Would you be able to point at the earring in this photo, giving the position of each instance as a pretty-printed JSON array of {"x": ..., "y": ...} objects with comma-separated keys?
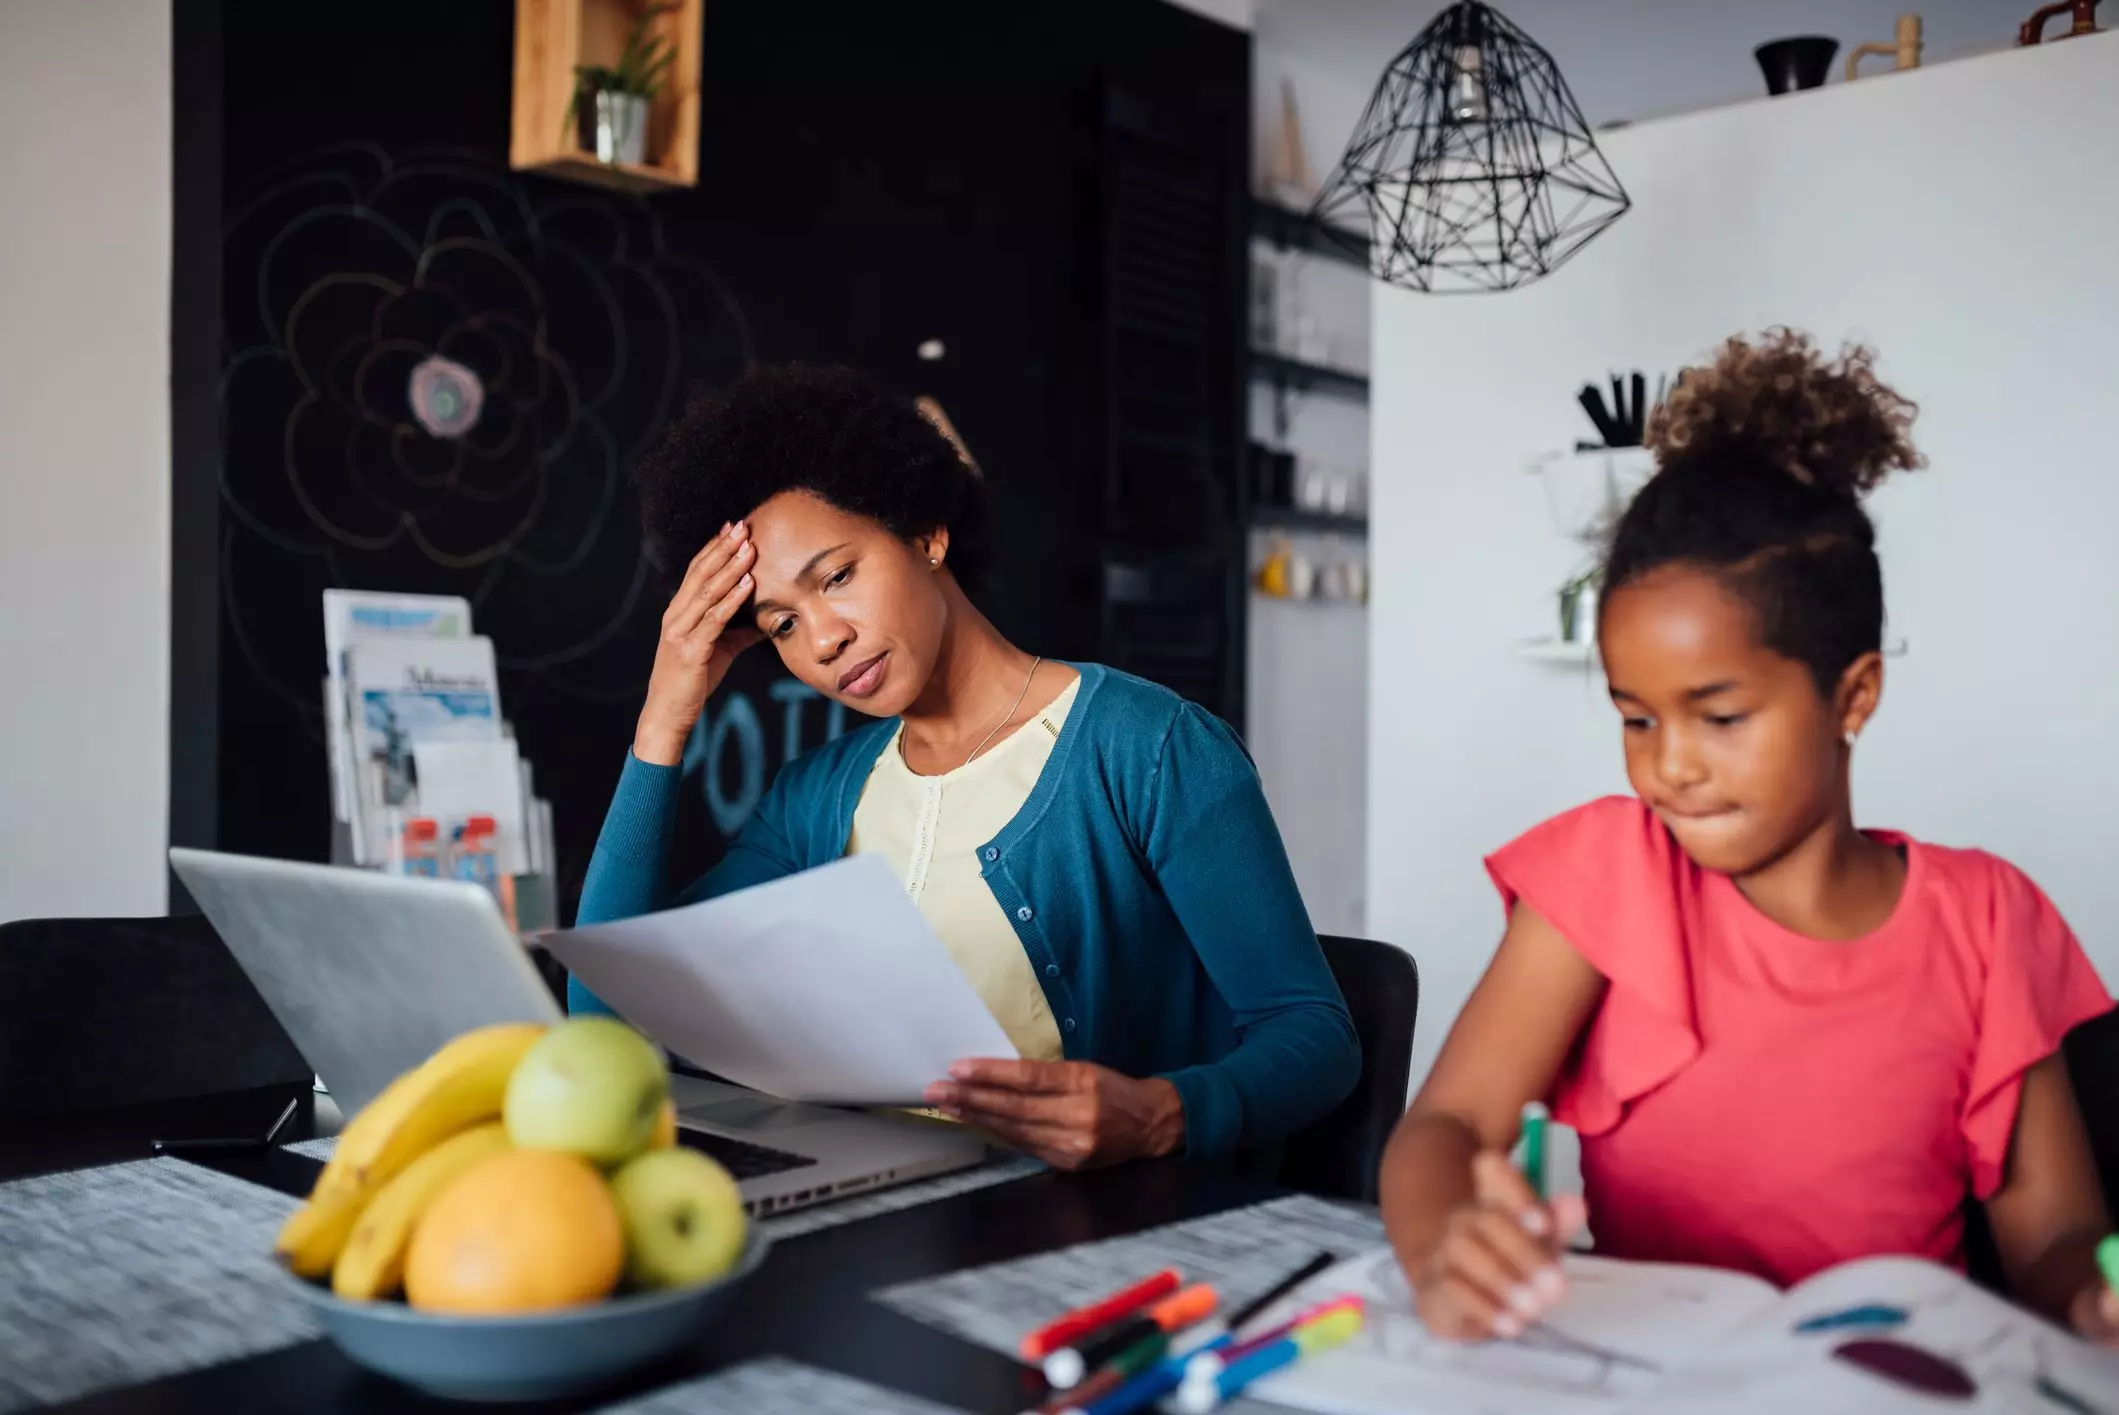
[
  {"x": 1850, "y": 741},
  {"x": 932, "y": 561}
]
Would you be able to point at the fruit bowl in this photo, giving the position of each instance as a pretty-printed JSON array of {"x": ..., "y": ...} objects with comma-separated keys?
[{"x": 532, "y": 1356}]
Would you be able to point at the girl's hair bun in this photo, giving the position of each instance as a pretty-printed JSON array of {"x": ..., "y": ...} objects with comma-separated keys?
[{"x": 1776, "y": 401}]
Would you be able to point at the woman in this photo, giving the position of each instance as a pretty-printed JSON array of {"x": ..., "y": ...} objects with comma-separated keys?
[{"x": 1094, "y": 851}]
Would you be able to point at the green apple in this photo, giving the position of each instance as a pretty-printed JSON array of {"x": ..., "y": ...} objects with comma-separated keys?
[
  {"x": 591, "y": 1086},
  {"x": 683, "y": 1218}
]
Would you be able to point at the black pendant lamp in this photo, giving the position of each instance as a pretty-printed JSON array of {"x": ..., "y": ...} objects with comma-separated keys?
[{"x": 1472, "y": 167}]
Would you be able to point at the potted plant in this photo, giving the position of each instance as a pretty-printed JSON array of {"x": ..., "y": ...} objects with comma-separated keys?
[
  {"x": 610, "y": 106},
  {"x": 1578, "y": 607}
]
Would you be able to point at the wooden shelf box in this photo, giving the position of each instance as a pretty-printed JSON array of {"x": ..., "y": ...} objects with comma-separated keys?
[{"x": 551, "y": 37}]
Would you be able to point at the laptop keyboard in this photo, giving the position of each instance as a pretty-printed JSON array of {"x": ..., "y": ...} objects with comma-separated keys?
[{"x": 745, "y": 1161}]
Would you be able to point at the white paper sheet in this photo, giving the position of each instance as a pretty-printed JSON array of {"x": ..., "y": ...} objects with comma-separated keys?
[{"x": 826, "y": 986}]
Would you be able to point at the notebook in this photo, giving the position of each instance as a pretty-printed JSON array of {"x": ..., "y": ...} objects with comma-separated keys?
[{"x": 1877, "y": 1336}]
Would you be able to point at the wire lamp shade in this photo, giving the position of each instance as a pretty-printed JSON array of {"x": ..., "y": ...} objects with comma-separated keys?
[{"x": 1472, "y": 167}]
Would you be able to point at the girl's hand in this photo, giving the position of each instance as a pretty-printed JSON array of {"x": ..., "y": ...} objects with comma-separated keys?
[
  {"x": 1070, "y": 1114},
  {"x": 2095, "y": 1314},
  {"x": 1497, "y": 1268},
  {"x": 700, "y": 639}
]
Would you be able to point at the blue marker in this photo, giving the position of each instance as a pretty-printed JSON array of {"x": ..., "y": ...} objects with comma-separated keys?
[
  {"x": 1139, "y": 1393},
  {"x": 1197, "y": 1397}
]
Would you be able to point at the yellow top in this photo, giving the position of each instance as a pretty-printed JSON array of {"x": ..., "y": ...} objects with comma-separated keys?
[{"x": 930, "y": 829}]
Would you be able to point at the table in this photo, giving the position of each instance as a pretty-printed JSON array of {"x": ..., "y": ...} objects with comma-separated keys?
[{"x": 810, "y": 1302}]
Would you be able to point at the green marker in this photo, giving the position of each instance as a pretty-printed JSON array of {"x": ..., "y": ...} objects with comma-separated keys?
[
  {"x": 2108, "y": 1260},
  {"x": 1534, "y": 1118}
]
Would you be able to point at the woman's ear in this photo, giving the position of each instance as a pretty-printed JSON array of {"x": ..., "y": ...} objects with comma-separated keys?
[
  {"x": 1861, "y": 688},
  {"x": 934, "y": 547}
]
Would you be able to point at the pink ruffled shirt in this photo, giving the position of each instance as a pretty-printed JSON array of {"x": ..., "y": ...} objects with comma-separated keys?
[{"x": 1753, "y": 1099}]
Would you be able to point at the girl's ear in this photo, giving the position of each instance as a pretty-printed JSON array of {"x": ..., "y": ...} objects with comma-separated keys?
[
  {"x": 1861, "y": 688},
  {"x": 933, "y": 547}
]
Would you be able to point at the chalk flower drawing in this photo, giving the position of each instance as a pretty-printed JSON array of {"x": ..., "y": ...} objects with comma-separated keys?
[{"x": 438, "y": 375}]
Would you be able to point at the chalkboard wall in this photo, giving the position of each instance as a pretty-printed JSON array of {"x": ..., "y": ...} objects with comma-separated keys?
[{"x": 872, "y": 176}]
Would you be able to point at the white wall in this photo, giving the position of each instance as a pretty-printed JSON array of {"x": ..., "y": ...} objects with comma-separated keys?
[
  {"x": 84, "y": 456},
  {"x": 1624, "y": 60},
  {"x": 1960, "y": 218},
  {"x": 1307, "y": 692}
]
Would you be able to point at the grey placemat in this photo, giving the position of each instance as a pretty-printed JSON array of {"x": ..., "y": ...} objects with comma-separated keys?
[
  {"x": 775, "y": 1386},
  {"x": 1242, "y": 1253},
  {"x": 130, "y": 1272},
  {"x": 801, "y": 1221}
]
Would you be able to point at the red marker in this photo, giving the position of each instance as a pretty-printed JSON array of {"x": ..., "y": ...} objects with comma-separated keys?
[{"x": 1086, "y": 1320}]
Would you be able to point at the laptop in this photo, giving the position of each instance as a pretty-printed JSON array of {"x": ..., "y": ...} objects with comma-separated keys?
[{"x": 371, "y": 973}]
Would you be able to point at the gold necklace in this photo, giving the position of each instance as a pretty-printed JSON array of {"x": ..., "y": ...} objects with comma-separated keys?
[{"x": 1036, "y": 664}]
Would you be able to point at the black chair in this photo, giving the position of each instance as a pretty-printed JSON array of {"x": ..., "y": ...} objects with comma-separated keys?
[
  {"x": 2091, "y": 1053},
  {"x": 1338, "y": 1157},
  {"x": 98, "y": 1013}
]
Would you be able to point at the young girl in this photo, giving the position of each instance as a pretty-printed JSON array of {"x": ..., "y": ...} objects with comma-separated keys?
[{"x": 1787, "y": 1043}]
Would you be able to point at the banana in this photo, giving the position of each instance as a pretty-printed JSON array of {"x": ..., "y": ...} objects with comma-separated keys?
[
  {"x": 379, "y": 1115},
  {"x": 459, "y": 1086},
  {"x": 665, "y": 1127},
  {"x": 372, "y": 1264},
  {"x": 315, "y": 1233}
]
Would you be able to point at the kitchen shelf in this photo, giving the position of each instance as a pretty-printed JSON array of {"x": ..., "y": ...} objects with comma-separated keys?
[
  {"x": 1295, "y": 518},
  {"x": 1315, "y": 601},
  {"x": 1557, "y": 651},
  {"x": 1303, "y": 377},
  {"x": 1299, "y": 231}
]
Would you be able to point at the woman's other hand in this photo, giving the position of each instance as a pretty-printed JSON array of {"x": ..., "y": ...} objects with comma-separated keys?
[{"x": 700, "y": 639}]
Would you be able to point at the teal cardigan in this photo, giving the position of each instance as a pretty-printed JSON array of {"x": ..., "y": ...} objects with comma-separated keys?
[{"x": 1144, "y": 876}]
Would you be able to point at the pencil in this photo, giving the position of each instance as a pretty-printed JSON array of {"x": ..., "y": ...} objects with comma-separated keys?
[{"x": 1249, "y": 1312}]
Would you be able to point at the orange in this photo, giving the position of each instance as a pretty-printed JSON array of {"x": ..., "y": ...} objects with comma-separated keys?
[
  {"x": 665, "y": 1127},
  {"x": 523, "y": 1231}
]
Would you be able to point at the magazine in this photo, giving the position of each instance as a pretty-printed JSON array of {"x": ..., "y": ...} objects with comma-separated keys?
[
  {"x": 402, "y": 692},
  {"x": 357, "y": 616}
]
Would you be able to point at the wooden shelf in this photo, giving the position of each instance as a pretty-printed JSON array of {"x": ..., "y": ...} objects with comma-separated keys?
[
  {"x": 617, "y": 176},
  {"x": 1295, "y": 518},
  {"x": 1299, "y": 231},
  {"x": 1308, "y": 378},
  {"x": 551, "y": 38}
]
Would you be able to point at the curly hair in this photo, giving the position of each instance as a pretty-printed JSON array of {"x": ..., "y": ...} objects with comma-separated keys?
[
  {"x": 1762, "y": 459},
  {"x": 826, "y": 430}
]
